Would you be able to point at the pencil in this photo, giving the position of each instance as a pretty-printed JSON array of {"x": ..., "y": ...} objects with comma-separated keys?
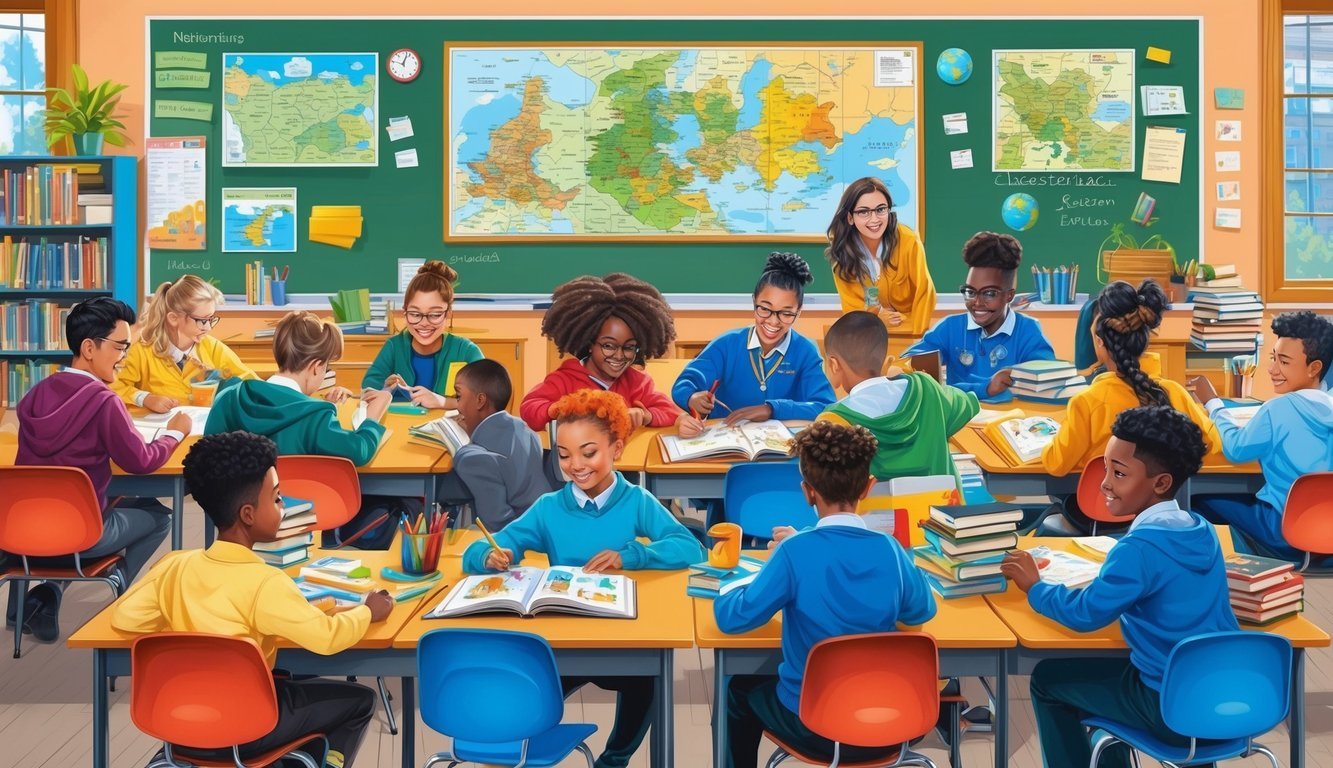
[
  {"x": 724, "y": 405},
  {"x": 363, "y": 531},
  {"x": 489, "y": 538}
]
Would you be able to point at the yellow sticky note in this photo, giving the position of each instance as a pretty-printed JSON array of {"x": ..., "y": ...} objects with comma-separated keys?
[
  {"x": 336, "y": 225},
  {"x": 335, "y": 210},
  {"x": 339, "y": 240},
  {"x": 454, "y": 368},
  {"x": 1159, "y": 55}
]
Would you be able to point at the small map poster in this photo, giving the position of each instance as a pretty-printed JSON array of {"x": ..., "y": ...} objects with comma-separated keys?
[{"x": 259, "y": 220}]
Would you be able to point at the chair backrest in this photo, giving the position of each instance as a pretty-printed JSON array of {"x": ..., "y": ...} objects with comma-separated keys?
[
  {"x": 872, "y": 690},
  {"x": 1091, "y": 500},
  {"x": 328, "y": 481},
  {"x": 1307, "y": 520},
  {"x": 199, "y": 690},
  {"x": 488, "y": 685},
  {"x": 48, "y": 511},
  {"x": 1227, "y": 685},
  {"x": 762, "y": 495}
]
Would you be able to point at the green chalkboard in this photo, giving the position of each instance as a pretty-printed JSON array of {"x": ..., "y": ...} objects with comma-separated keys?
[{"x": 402, "y": 207}]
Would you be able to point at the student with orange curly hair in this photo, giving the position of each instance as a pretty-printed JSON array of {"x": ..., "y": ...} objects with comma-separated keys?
[{"x": 596, "y": 522}]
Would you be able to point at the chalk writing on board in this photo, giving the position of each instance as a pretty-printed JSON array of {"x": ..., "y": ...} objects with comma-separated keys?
[
  {"x": 179, "y": 265},
  {"x": 1052, "y": 180},
  {"x": 481, "y": 258}
]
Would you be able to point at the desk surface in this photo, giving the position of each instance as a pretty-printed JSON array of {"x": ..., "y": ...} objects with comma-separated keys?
[{"x": 1037, "y": 631}]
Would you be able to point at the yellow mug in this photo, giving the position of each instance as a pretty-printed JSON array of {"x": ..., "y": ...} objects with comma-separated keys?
[{"x": 202, "y": 392}]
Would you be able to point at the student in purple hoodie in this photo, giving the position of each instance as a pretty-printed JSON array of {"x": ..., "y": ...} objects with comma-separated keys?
[{"x": 72, "y": 418}]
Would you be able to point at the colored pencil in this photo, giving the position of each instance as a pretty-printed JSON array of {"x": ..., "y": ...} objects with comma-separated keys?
[
  {"x": 363, "y": 531},
  {"x": 489, "y": 538}
]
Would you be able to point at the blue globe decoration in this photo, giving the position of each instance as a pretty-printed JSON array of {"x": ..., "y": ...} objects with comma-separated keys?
[
  {"x": 1019, "y": 211},
  {"x": 954, "y": 66}
]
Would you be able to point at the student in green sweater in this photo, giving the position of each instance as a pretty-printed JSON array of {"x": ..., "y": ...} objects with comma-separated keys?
[
  {"x": 282, "y": 408},
  {"x": 420, "y": 363}
]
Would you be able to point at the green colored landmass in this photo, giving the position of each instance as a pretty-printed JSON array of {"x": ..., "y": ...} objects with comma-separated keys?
[
  {"x": 1058, "y": 116},
  {"x": 306, "y": 121}
]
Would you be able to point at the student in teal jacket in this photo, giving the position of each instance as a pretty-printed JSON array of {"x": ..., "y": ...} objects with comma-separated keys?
[
  {"x": 419, "y": 364},
  {"x": 282, "y": 408},
  {"x": 596, "y": 522}
]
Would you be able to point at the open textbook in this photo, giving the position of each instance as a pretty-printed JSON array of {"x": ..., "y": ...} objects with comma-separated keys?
[
  {"x": 747, "y": 440},
  {"x": 152, "y": 425},
  {"x": 529, "y": 591},
  {"x": 444, "y": 432}
]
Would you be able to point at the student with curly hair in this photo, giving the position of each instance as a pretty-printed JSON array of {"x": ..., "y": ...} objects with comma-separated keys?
[
  {"x": 595, "y": 521},
  {"x": 1164, "y": 580},
  {"x": 609, "y": 326},
  {"x": 1290, "y": 436},
  {"x": 878, "y": 263},
  {"x": 838, "y": 578},
  {"x": 979, "y": 346},
  {"x": 766, "y": 371}
]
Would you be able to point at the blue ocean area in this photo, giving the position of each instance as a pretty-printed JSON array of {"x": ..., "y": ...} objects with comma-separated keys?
[
  {"x": 752, "y": 82},
  {"x": 354, "y": 67},
  {"x": 687, "y": 137},
  {"x": 279, "y": 231},
  {"x": 879, "y": 138},
  {"x": 685, "y": 65},
  {"x": 507, "y": 72},
  {"x": 1112, "y": 112},
  {"x": 477, "y": 123}
]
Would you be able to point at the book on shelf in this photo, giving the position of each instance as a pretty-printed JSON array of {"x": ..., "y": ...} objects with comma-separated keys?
[
  {"x": 19, "y": 376},
  {"x": 1251, "y": 573},
  {"x": 45, "y": 263},
  {"x": 42, "y": 194},
  {"x": 747, "y": 440},
  {"x": 708, "y": 582},
  {"x": 152, "y": 425},
  {"x": 932, "y": 560},
  {"x": 445, "y": 432},
  {"x": 1020, "y": 438},
  {"x": 529, "y": 591},
  {"x": 1064, "y": 568},
  {"x": 950, "y": 589},
  {"x": 34, "y": 326}
]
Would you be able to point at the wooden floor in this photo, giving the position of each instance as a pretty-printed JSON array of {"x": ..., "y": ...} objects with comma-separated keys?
[{"x": 45, "y": 714}]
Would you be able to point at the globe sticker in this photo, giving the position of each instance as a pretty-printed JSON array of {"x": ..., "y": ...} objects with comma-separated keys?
[
  {"x": 954, "y": 66},
  {"x": 1019, "y": 211}
]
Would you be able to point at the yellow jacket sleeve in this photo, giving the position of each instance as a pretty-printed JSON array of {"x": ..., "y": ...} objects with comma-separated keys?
[
  {"x": 1067, "y": 451},
  {"x": 912, "y": 260},
  {"x": 222, "y": 358},
  {"x": 1182, "y": 401},
  {"x": 852, "y": 295},
  {"x": 281, "y": 611},
  {"x": 139, "y": 611},
  {"x": 133, "y": 377}
]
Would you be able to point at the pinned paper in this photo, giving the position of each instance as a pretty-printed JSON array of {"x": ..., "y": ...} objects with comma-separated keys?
[
  {"x": 1163, "y": 153},
  {"x": 955, "y": 123},
  {"x": 1226, "y": 162},
  {"x": 399, "y": 128},
  {"x": 1229, "y": 98},
  {"x": 1163, "y": 100},
  {"x": 405, "y": 158},
  {"x": 960, "y": 158},
  {"x": 179, "y": 60},
  {"x": 1228, "y": 191},
  {"x": 1227, "y": 218},
  {"x": 181, "y": 78},
  {"x": 183, "y": 110},
  {"x": 1228, "y": 130},
  {"x": 1159, "y": 55},
  {"x": 894, "y": 67},
  {"x": 407, "y": 269}
]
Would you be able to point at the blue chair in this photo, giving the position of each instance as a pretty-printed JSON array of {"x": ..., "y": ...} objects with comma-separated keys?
[
  {"x": 1221, "y": 690},
  {"x": 760, "y": 496},
  {"x": 497, "y": 694}
]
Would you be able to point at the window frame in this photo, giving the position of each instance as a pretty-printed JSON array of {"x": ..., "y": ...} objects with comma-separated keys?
[{"x": 8, "y": 7}]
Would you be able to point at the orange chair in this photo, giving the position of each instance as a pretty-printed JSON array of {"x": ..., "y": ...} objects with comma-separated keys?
[
  {"x": 49, "y": 512},
  {"x": 1307, "y": 519},
  {"x": 879, "y": 689},
  {"x": 1091, "y": 500},
  {"x": 207, "y": 692}
]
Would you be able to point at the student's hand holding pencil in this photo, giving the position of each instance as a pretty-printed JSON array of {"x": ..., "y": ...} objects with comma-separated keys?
[
  {"x": 688, "y": 426},
  {"x": 337, "y": 395},
  {"x": 499, "y": 559}
]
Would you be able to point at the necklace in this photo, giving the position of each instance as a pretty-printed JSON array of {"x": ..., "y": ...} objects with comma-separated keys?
[{"x": 760, "y": 374}]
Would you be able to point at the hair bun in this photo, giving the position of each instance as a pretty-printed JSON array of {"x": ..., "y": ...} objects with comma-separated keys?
[
  {"x": 790, "y": 263},
  {"x": 437, "y": 267}
]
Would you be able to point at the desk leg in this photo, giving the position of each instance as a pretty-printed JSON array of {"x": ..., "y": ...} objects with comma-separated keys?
[
  {"x": 408, "y": 721},
  {"x": 1001, "y": 725},
  {"x": 1296, "y": 722},
  {"x": 178, "y": 513},
  {"x": 720, "y": 684},
  {"x": 101, "y": 705},
  {"x": 664, "y": 728}
]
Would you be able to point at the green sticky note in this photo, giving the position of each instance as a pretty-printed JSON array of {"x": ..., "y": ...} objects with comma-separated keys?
[
  {"x": 185, "y": 59},
  {"x": 183, "y": 110},
  {"x": 1229, "y": 98},
  {"x": 181, "y": 78},
  {"x": 359, "y": 573}
]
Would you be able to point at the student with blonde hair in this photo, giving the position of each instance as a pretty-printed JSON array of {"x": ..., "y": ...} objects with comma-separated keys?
[{"x": 175, "y": 348}]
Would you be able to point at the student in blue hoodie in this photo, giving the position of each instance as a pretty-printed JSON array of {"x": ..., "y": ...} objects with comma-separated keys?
[
  {"x": 766, "y": 371},
  {"x": 596, "y": 522},
  {"x": 283, "y": 409},
  {"x": 979, "y": 346},
  {"x": 1290, "y": 436},
  {"x": 1164, "y": 581},
  {"x": 838, "y": 578}
]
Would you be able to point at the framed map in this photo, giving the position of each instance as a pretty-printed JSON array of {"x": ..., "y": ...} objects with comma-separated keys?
[
  {"x": 599, "y": 141},
  {"x": 1063, "y": 110},
  {"x": 299, "y": 109}
]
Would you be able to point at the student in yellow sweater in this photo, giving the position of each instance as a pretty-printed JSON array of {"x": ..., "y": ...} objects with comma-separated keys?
[
  {"x": 175, "y": 348},
  {"x": 879, "y": 264},
  {"x": 227, "y": 590},
  {"x": 1123, "y": 319}
]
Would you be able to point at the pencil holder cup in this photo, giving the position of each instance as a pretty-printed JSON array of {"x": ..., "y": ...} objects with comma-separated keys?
[
  {"x": 421, "y": 552},
  {"x": 202, "y": 392},
  {"x": 278, "y": 288},
  {"x": 1239, "y": 385}
]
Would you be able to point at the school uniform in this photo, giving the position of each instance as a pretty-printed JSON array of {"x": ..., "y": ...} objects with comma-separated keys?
[
  {"x": 971, "y": 356},
  {"x": 790, "y": 378},
  {"x": 430, "y": 371},
  {"x": 634, "y": 387},
  {"x": 907, "y": 289},
  {"x": 570, "y": 528},
  {"x": 297, "y": 423},
  {"x": 1164, "y": 581},
  {"x": 838, "y": 578},
  {"x": 227, "y": 590},
  {"x": 1291, "y": 435},
  {"x": 144, "y": 373},
  {"x": 500, "y": 470}
]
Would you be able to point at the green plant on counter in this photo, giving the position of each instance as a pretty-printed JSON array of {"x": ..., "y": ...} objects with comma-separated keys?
[{"x": 87, "y": 112}]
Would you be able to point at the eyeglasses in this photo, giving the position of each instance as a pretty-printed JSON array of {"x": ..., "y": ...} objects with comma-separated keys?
[
  {"x": 205, "y": 323},
  {"x": 865, "y": 213},
  {"x": 988, "y": 295},
  {"x": 121, "y": 346},
  {"x": 785, "y": 316},
  {"x": 415, "y": 317},
  {"x": 610, "y": 349}
]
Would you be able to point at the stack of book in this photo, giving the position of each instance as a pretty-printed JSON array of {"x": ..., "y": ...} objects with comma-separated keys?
[
  {"x": 95, "y": 207},
  {"x": 351, "y": 309},
  {"x": 708, "y": 582},
  {"x": 298, "y": 516},
  {"x": 444, "y": 432},
  {"x": 972, "y": 483},
  {"x": 1046, "y": 381},
  {"x": 1227, "y": 318},
  {"x": 287, "y": 550},
  {"x": 964, "y": 546},
  {"x": 1262, "y": 589},
  {"x": 381, "y": 310}
]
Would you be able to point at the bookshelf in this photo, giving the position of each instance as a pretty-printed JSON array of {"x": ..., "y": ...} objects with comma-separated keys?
[{"x": 50, "y": 259}]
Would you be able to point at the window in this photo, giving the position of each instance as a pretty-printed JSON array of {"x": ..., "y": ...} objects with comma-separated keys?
[{"x": 22, "y": 83}]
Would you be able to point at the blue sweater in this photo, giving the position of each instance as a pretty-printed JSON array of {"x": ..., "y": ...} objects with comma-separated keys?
[
  {"x": 828, "y": 581},
  {"x": 570, "y": 535},
  {"x": 972, "y": 360},
  {"x": 797, "y": 388},
  {"x": 1164, "y": 584},
  {"x": 1290, "y": 436}
]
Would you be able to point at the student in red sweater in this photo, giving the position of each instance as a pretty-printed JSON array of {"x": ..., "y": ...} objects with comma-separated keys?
[{"x": 608, "y": 325}]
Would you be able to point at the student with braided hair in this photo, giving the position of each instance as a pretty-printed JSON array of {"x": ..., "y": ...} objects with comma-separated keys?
[
  {"x": 980, "y": 345},
  {"x": 608, "y": 325}
]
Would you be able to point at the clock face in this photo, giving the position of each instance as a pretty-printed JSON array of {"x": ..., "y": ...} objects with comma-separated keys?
[{"x": 404, "y": 65}]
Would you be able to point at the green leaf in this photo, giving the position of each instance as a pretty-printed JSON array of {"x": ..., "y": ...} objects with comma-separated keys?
[{"x": 80, "y": 79}]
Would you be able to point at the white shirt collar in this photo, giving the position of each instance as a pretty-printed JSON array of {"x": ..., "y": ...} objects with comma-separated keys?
[
  {"x": 599, "y": 500},
  {"x": 178, "y": 354},
  {"x": 80, "y": 371},
  {"x": 1164, "y": 514},
  {"x": 284, "y": 381},
  {"x": 873, "y": 381},
  {"x": 847, "y": 519},
  {"x": 781, "y": 348},
  {"x": 591, "y": 375},
  {"x": 1006, "y": 328}
]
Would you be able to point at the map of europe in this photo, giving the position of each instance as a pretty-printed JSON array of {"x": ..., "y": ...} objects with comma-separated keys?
[
  {"x": 581, "y": 143},
  {"x": 1064, "y": 110},
  {"x": 302, "y": 109}
]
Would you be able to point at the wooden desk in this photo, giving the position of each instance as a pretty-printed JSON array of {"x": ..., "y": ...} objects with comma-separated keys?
[
  {"x": 371, "y": 656},
  {"x": 1041, "y": 638}
]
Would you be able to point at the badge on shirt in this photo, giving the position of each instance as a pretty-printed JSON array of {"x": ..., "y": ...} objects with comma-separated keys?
[
  {"x": 965, "y": 358},
  {"x": 872, "y": 297}
]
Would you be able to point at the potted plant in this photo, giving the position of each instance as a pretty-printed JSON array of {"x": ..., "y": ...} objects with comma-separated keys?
[
  {"x": 1122, "y": 257},
  {"x": 87, "y": 115}
]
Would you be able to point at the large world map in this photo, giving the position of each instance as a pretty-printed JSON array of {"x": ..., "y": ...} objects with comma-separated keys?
[{"x": 588, "y": 143}]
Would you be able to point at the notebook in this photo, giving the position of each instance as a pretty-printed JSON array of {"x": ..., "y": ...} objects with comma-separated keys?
[
  {"x": 152, "y": 425},
  {"x": 529, "y": 591}
]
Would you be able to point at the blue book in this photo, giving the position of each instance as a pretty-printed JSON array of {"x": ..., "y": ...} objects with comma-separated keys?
[
  {"x": 951, "y": 589},
  {"x": 295, "y": 506}
]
